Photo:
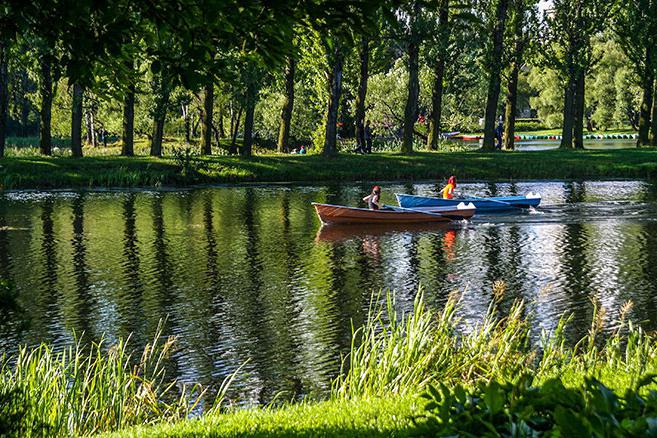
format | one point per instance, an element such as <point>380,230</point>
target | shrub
<point>551,409</point>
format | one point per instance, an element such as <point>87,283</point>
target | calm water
<point>247,274</point>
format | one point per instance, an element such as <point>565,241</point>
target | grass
<point>395,357</point>
<point>82,391</point>
<point>373,417</point>
<point>103,168</point>
<point>406,354</point>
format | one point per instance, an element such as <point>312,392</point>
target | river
<point>246,275</point>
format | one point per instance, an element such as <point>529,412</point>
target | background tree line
<point>227,75</point>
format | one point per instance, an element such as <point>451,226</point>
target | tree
<point>522,16</point>
<point>161,89</point>
<point>208,107</point>
<point>4,93</point>
<point>413,52</point>
<point>444,30</point>
<point>635,24</point>
<point>288,105</point>
<point>494,65</point>
<point>76,120</point>
<point>364,58</point>
<point>567,30</point>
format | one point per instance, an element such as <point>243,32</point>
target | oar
<point>415,211</point>
<point>494,200</point>
<point>446,216</point>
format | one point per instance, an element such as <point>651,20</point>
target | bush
<point>529,125</point>
<point>551,409</point>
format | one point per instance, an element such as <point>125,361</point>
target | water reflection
<point>246,276</point>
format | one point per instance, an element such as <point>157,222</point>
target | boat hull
<point>337,214</point>
<point>495,204</point>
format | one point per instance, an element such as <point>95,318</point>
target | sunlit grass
<point>401,354</point>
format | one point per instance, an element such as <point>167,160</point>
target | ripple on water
<point>245,276</point>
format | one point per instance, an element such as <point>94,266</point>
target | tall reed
<point>85,390</point>
<point>402,353</point>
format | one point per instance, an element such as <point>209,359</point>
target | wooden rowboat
<point>338,214</point>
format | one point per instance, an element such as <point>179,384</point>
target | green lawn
<point>389,417</point>
<point>23,172</point>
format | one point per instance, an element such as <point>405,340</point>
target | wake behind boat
<point>492,204</point>
<point>338,214</point>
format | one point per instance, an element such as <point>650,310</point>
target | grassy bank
<point>374,417</point>
<point>27,172</point>
<point>406,374</point>
<point>490,379</point>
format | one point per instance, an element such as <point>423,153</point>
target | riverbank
<point>417,377</point>
<point>374,417</point>
<point>30,172</point>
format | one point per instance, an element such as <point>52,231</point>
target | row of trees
<point>221,63</point>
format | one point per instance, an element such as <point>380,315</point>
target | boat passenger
<point>373,198</point>
<point>448,190</point>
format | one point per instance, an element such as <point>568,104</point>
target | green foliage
<point>550,409</point>
<point>187,161</point>
<point>529,126</point>
<point>81,391</point>
<point>548,97</point>
<point>612,93</point>
<point>402,354</point>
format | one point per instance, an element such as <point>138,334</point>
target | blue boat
<point>493,204</point>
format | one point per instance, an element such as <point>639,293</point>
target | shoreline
<point>143,173</point>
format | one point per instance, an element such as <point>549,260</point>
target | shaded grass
<point>25,172</point>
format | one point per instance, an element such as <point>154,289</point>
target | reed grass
<point>401,354</point>
<point>86,390</point>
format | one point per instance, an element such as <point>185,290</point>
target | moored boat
<point>338,214</point>
<point>492,204</point>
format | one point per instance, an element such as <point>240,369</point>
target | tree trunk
<point>578,111</point>
<point>335,92</point>
<point>91,127</point>
<point>45,113</point>
<point>410,112</point>
<point>247,144</point>
<point>495,67</point>
<point>25,105</point>
<point>206,128</point>
<point>288,106</point>
<point>220,122</point>
<point>235,127</point>
<point>76,121</point>
<point>653,119</point>
<point>4,95</point>
<point>364,55</point>
<point>161,91</point>
<point>128,137</point>
<point>439,72</point>
<point>510,108</point>
<point>436,105</point>
<point>568,106</point>
<point>188,123</point>
<point>646,101</point>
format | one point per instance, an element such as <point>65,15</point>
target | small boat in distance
<point>338,214</point>
<point>492,204</point>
